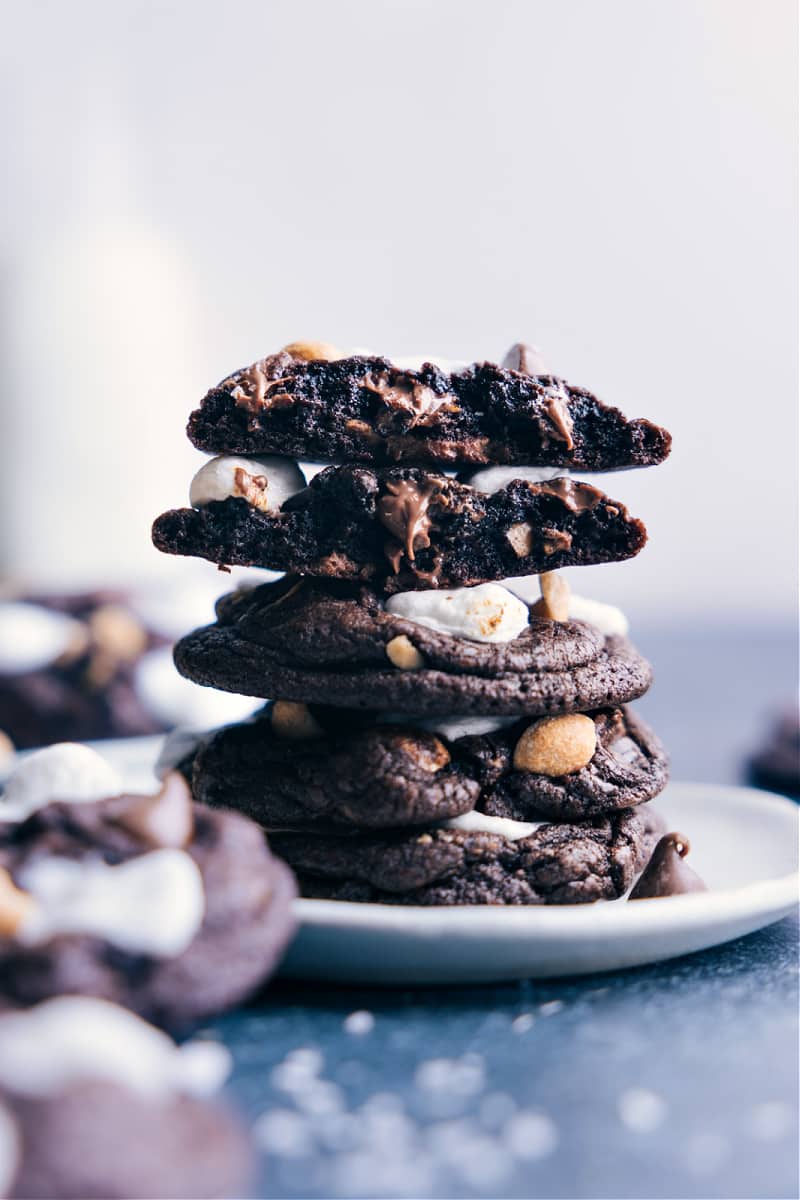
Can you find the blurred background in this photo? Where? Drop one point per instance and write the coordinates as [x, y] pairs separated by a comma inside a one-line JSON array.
[[191, 185]]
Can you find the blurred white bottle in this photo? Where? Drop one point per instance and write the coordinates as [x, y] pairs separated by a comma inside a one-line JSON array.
[[104, 360]]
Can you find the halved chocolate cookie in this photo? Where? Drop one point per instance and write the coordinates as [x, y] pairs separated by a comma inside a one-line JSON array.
[[369, 409], [406, 528], [552, 864], [308, 641], [317, 768]]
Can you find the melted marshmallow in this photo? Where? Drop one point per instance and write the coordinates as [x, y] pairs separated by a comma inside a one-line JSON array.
[[607, 618], [486, 613], [217, 480], [477, 822], [32, 637], [412, 362], [153, 904], [492, 479], [453, 728], [415, 362], [65, 771], [70, 1039], [177, 701]]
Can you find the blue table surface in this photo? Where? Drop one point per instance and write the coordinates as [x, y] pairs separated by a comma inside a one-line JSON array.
[[676, 1080]]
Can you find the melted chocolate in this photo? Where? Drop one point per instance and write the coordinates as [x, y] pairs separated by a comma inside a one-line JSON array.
[[249, 386], [528, 360], [556, 540], [397, 391], [403, 510], [578, 497], [556, 407], [667, 874]]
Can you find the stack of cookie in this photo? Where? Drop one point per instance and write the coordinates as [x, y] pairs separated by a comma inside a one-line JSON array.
[[437, 733]]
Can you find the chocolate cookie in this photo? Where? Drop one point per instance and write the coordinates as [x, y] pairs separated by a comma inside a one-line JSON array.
[[406, 528], [68, 668], [321, 768], [166, 907], [629, 766], [552, 864], [90, 665], [379, 776], [95, 1102], [368, 409], [307, 640]]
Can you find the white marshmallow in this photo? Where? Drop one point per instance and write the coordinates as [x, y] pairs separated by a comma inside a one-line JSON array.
[[177, 701], [481, 823], [32, 637], [65, 771], [415, 362], [10, 1150], [486, 613], [153, 904], [606, 617], [64, 1041], [216, 480], [453, 728], [492, 479]]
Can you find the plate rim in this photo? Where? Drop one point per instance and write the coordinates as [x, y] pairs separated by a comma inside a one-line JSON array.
[[777, 895]]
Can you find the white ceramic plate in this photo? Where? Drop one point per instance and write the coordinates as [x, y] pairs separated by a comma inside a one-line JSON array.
[[744, 845]]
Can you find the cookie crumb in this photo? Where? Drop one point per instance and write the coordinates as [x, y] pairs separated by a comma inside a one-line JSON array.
[[359, 1022], [641, 1110], [530, 1135], [284, 1133], [551, 1007]]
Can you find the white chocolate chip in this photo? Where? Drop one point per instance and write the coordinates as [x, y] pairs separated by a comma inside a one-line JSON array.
[[266, 482], [557, 746], [520, 538], [70, 1039], [404, 654], [65, 771], [492, 479], [479, 822], [486, 613], [294, 721]]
